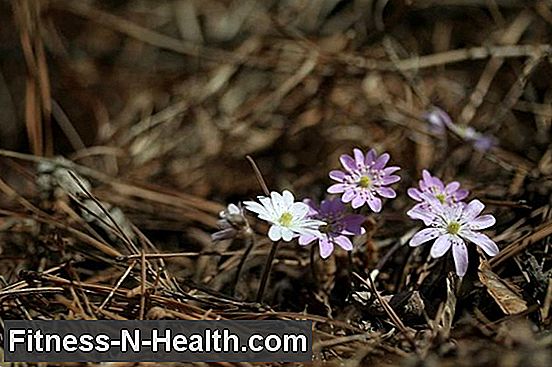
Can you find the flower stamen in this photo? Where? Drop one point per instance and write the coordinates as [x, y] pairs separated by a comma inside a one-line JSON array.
[[453, 228], [285, 219], [365, 182]]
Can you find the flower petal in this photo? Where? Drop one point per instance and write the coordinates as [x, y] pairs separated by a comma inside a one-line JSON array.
[[370, 157], [374, 203], [426, 234], [278, 202], [344, 242], [349, 195], [460, 254], [348, 162], [288, 198], [426, 176], [299, 210], [452, 187], [388, 180], [441, 246], [332, 206], [287, 234], [305, 239], [422, 213], [461, 194], [357, 202], [267, 203], [337, 175], [275, 233], [352, 223], [386, 192], [381, 161], [359, 157], [481, 240], [390, 170], [482, 222], [255, 207], [223, 234], [414, 194], [326, 247], [473, 209], [233, 209], [337, 188]]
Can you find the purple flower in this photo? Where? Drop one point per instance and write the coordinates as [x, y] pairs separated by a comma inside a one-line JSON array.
[[364, 179], [438, 120], [433, 187], [452, 226], [339, 225]]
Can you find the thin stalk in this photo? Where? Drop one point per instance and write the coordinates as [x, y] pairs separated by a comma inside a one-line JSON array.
[[249, 243], [258, 175], [266, 271], [350, 266], [312, 265]]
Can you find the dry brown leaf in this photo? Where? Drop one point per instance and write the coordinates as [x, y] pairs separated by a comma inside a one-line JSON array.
[[502, 291]]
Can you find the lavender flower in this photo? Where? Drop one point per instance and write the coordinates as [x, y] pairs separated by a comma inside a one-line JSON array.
[[364, 179], [288, 218], [480, 142], [232, 223], [439, 119], [339, 226], [452, 226], [433, 187]]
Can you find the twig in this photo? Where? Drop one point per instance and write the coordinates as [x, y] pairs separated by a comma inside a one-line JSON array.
[[449, 57], [5, 293], [117, 285], [125, 237], [142, 284]]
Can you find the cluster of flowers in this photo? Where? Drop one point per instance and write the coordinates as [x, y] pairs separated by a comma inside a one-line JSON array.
[[364, 181], [449, 220]]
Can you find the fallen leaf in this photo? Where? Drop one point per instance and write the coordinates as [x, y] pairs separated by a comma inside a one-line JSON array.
[[504, 293]]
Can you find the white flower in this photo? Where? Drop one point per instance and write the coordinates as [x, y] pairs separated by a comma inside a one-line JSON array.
[[451, 226], [288, 217], [232, 223]]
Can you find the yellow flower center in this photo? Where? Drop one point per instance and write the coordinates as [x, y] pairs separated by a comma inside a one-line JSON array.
[[285, 219], [453, 227], [364, 181], [441, 198]]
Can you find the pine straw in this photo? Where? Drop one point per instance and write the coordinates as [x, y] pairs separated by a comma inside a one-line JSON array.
[[156, 105]]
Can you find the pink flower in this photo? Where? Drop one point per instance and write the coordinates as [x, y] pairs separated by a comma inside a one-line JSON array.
[[452, 226], [449, 194], [434, 188], [365, 179]]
